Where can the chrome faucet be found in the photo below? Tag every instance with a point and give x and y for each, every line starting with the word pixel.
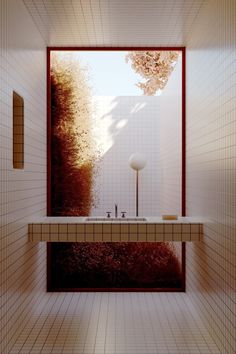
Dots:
pixel 116 210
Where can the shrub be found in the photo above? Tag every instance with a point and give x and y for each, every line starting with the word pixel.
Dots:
pixel 73 154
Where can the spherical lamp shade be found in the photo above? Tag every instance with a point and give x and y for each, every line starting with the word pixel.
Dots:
pixel 137 161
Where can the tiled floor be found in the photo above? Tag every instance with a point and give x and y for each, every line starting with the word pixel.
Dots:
pixel 114 323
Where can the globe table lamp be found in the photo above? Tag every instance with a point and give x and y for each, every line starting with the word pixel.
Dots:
pixel 137 162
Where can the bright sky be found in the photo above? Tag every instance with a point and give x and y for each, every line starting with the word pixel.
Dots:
pixel 109 73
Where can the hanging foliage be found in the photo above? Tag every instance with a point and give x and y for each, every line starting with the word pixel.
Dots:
pixel 154 66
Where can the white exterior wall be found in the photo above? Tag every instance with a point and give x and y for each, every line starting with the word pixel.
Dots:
pixel 146 124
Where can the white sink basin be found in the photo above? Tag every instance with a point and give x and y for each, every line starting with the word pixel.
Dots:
pixel 134 219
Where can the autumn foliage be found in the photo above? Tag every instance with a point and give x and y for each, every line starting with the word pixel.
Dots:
pixel 116 265
pixel 72 153
pixel 154 66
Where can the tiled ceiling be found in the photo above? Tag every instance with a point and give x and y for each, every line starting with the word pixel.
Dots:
pixel 114 22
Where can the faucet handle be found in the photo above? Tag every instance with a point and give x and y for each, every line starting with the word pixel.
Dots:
pixel 123 214
pixel 108 214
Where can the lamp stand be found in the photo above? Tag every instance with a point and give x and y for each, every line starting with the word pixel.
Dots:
pixel 137 176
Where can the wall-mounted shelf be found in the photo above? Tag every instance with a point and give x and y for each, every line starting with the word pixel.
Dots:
pixel 76 229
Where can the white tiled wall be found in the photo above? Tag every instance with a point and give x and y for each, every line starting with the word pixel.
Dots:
pixel 45 319
pixel 211 167
pixel 23 192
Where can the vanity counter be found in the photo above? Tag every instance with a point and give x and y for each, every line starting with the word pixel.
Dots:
pixel 77 229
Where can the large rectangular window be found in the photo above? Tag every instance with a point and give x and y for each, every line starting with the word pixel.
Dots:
pixel 103 107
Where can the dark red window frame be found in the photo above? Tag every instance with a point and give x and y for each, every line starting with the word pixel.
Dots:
pixel 183 169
